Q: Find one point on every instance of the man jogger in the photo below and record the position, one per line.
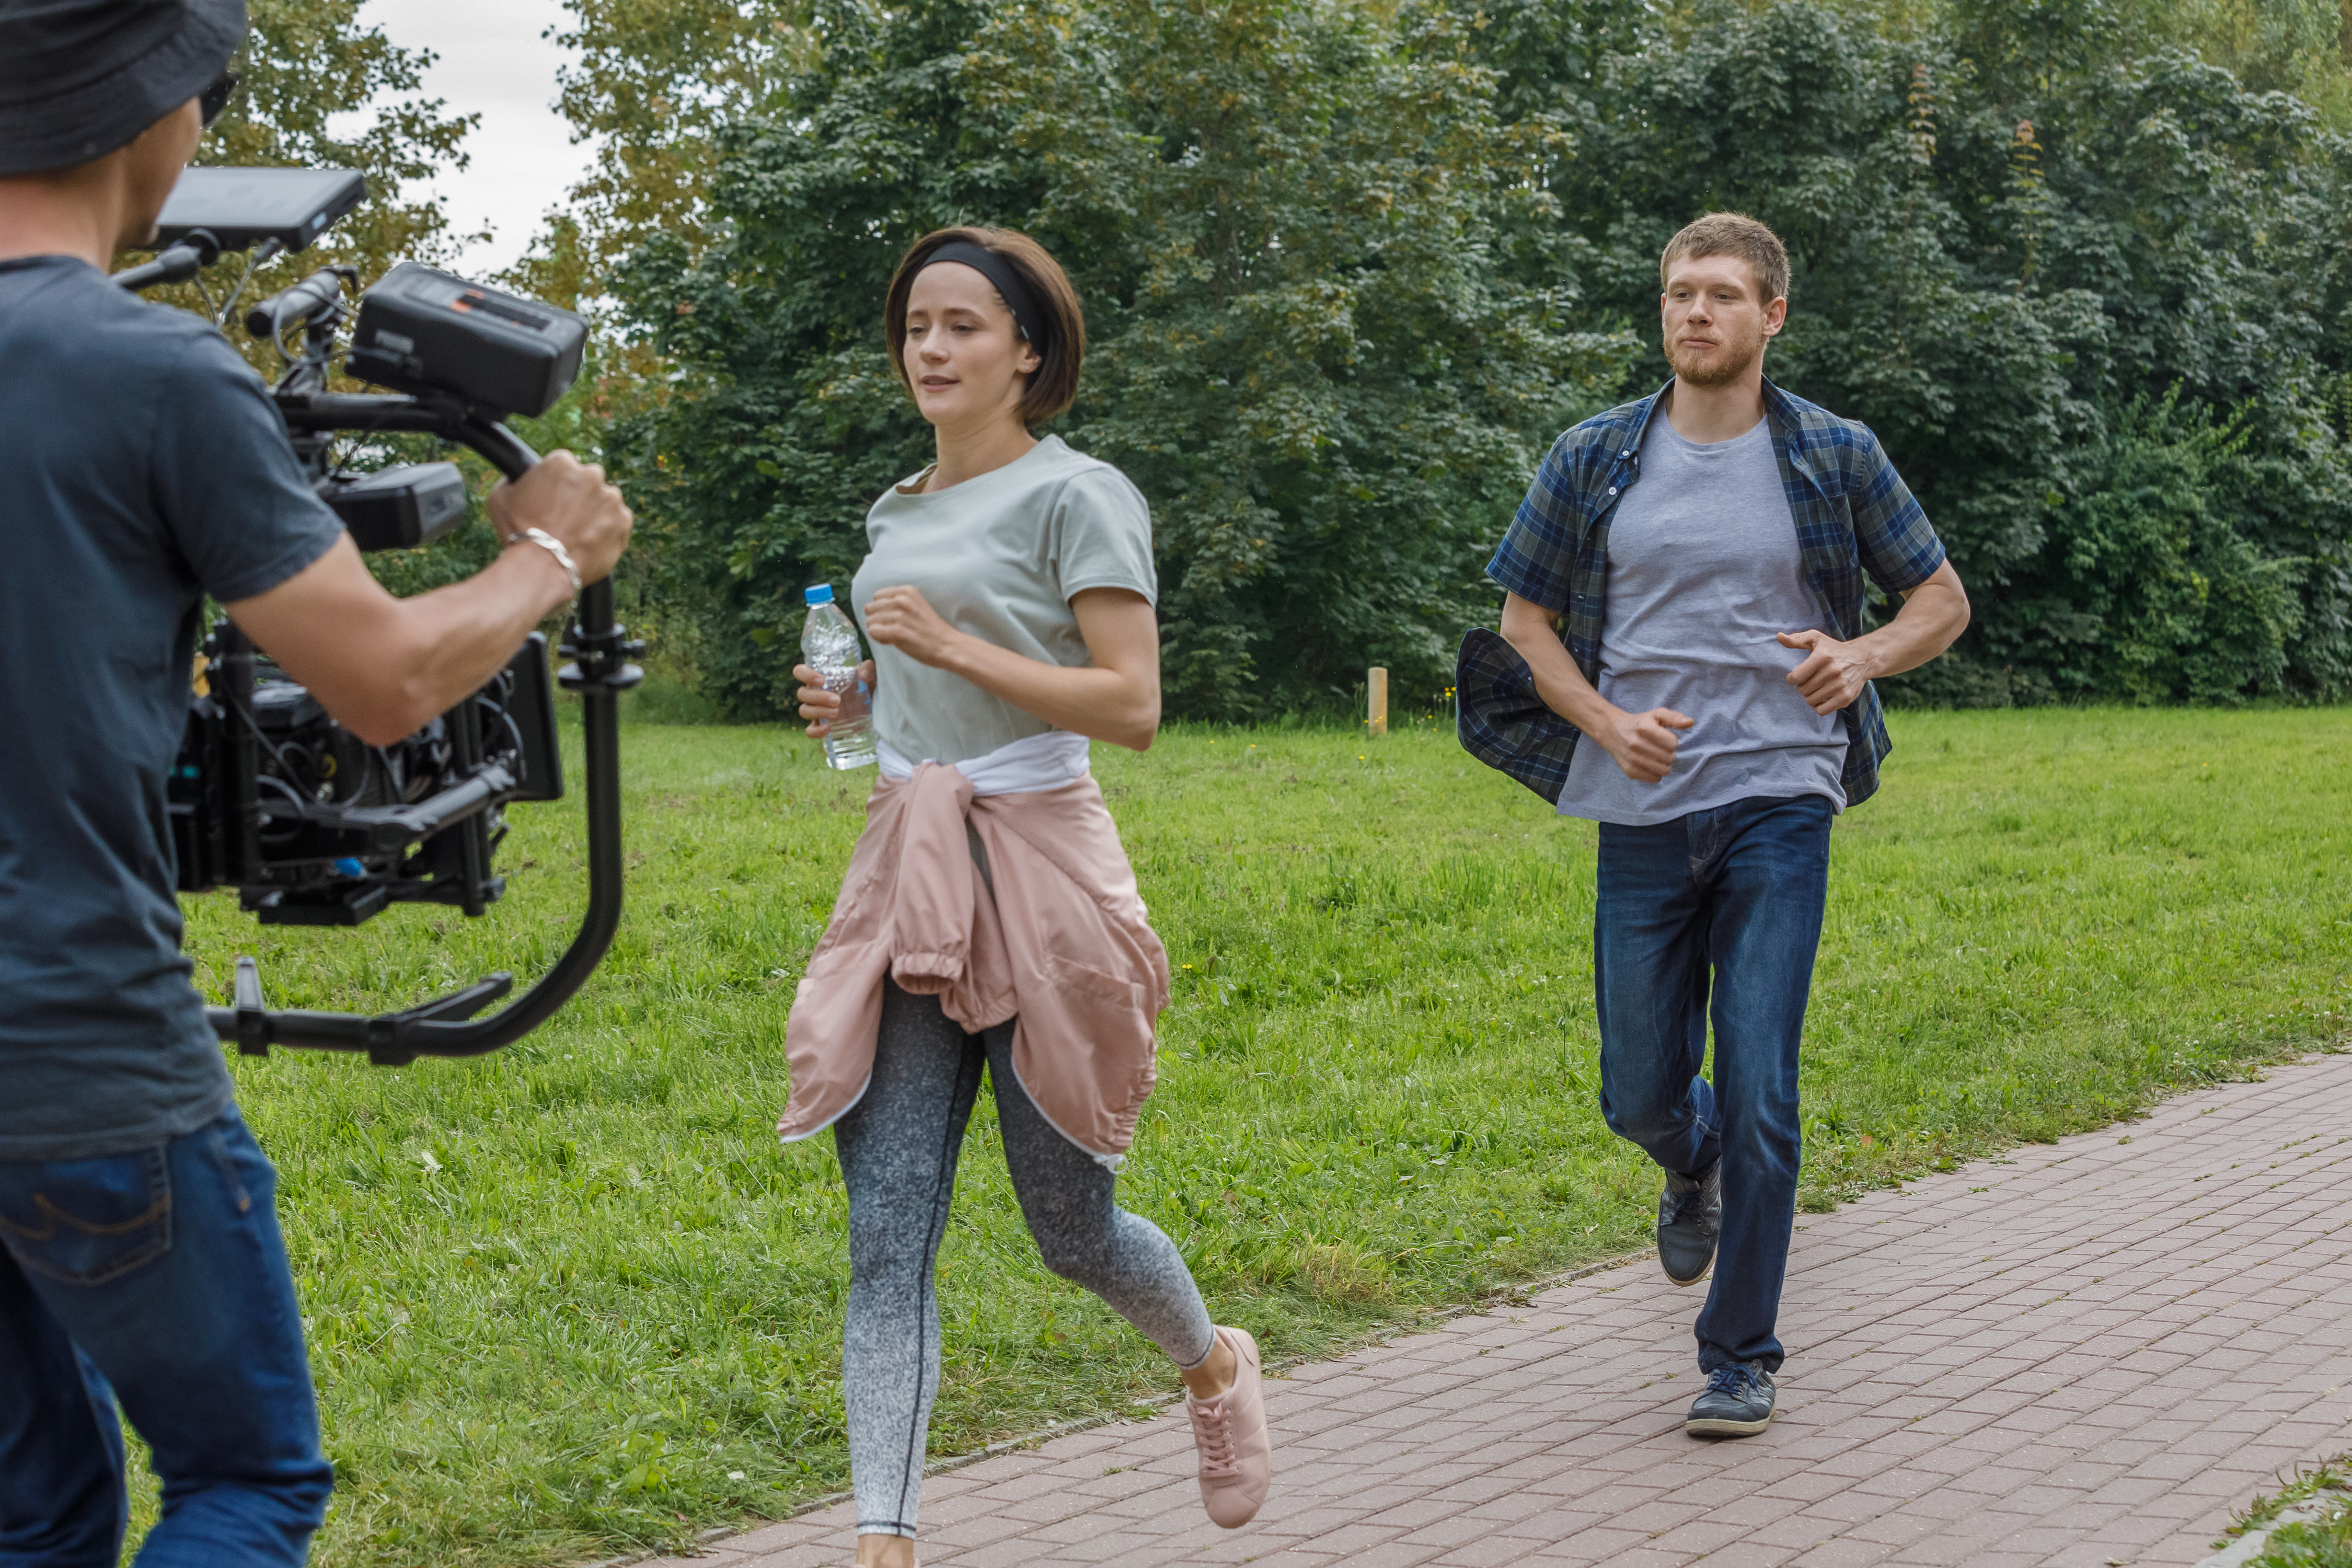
(1685, 586)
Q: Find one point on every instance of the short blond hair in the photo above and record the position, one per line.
(1733, 234)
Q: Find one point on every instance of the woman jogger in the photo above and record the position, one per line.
(989, 918)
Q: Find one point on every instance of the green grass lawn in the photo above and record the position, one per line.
(573, 1298)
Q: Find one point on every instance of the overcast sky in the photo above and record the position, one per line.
(494, 61)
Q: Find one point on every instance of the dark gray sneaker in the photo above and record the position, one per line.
(1690, 1216)
(1736, 1402)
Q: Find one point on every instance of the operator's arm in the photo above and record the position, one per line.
(1642, 743)
(1115, 699)
(384, 666)
(1933, 616)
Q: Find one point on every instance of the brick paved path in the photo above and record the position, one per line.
(2084, 1355)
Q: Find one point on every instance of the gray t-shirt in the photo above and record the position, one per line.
(999, 556)
(1704, 569)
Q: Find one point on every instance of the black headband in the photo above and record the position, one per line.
(1010, 286)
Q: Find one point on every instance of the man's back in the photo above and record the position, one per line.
(145, 468)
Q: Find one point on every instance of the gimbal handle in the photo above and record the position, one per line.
(600, 672)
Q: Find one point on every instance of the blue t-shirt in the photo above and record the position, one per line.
(144, 468)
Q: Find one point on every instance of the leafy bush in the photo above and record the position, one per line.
(2147, 586)
(2032, 258)
(1349, 269)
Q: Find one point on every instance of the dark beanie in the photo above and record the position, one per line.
(80, 77)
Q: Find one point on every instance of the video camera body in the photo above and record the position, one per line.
(313, 826)
(270, 795)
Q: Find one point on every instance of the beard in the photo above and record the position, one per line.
(1728, 366)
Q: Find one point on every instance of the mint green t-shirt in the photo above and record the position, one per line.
(999, 556)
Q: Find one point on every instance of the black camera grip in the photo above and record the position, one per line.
(600, 672)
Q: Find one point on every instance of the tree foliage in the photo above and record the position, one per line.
(655, 84)
(1347, 268)
(1284, 226)
(320, 89)
(2010, 236)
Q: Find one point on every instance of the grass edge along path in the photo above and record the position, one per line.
(572, 1301)
(2321, 1538)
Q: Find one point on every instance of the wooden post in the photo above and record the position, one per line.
(1376, 716)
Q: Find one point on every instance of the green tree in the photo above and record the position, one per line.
(1347, 268)
(1283, 215)
(2145, 588)
(2007, 230)
(2298, 47)
(303, 66)
(654, 86)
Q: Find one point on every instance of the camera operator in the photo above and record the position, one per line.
(145, 467)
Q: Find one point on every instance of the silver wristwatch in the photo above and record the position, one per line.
(554, 546)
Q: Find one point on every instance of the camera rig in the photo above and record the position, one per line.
(270, 795)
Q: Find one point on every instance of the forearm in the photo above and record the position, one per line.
(384, 666)
(1527, 627)
(460, 636)
(1932, 617)
(1102, 704)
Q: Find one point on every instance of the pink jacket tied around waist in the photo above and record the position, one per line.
(1063, 945)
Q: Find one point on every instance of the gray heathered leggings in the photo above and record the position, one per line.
(897, 1148)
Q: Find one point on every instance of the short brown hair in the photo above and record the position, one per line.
(1055, 381)
(1733, 234)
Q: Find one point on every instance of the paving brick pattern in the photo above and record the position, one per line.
(2085, 1354)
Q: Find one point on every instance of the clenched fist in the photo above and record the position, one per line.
(570, 500)
(1644, 743)
(1833, 673)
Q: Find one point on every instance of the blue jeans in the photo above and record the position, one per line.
(1721, 907)
(158, 1278)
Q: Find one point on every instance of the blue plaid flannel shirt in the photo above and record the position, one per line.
(1855, 518)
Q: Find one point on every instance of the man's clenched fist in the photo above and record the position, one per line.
(570, 500)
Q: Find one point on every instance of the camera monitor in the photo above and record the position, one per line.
(242, 207)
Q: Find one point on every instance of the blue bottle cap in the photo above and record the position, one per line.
(350, 867)
(820, 594)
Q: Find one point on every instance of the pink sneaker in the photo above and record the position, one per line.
(1236, 1454)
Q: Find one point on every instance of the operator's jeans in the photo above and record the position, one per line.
(156, 1277)
(1736, 891)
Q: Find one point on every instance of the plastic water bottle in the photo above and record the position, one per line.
(829, 645)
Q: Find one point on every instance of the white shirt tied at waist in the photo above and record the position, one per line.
(1048, 761)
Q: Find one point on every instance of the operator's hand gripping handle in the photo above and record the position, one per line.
(599, 671)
